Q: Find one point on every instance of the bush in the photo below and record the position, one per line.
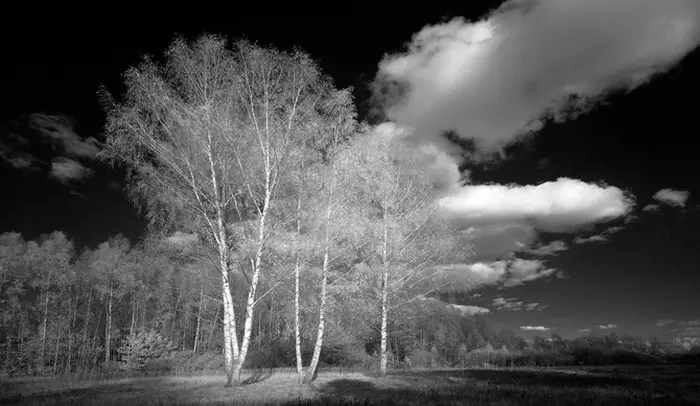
(631, 357)
(185, 362)
(588, 356)
(144, 346)
(156, 367)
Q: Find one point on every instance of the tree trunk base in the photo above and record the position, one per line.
(310, 377)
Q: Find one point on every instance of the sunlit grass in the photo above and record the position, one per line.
(626, 385)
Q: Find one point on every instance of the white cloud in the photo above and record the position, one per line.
(493, 80)
(651, 207)
(671, 197)
(526, 270)
(593, 238)
(469, 310)
(613, 230)
(24, 161)
(497, 242)
(692, 331)
(535, 328)
(65, 170)
(59, 128)
(607, 326)
(584, 330)
(464, 310)
(551, 248)
(561, 205)
(508, 273)
(476, 295)
(663, 322)
(513, 304)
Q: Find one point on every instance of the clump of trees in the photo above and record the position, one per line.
(255, 151)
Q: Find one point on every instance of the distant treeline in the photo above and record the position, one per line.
(132, 305)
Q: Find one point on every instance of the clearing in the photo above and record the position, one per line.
(619, 385)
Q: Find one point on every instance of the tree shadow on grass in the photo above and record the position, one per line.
(258, 375)
(74, 395)
(521, 387)
(130, 392)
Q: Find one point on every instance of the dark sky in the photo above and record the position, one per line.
(641, 142)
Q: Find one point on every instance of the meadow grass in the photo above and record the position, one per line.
(619, 385)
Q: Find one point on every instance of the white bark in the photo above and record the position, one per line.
(199, 318)
(385, 287)
(311, 372)
(252, 290)
(108, 327)
(297, 326)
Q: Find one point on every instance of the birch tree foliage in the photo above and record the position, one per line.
(391, 205)
(205, 138)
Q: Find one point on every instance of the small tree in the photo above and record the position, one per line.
(144, 346)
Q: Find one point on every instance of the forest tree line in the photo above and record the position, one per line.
(57, 305)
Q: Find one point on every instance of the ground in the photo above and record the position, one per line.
(619, 385)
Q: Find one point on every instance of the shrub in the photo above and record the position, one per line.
(144, 346)
(185, 362)
(157, 367)
(631, 357)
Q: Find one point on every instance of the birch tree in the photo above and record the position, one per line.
(338, 121)
(204, 138)
(391, 204)
(49, 259)
(113, 273)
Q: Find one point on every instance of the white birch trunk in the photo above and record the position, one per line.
(297, 326)
(385, 311)
(44, 326)
(385, 287)
(108, 327)
(199, 318)
(311, 372)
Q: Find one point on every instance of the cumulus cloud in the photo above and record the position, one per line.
(554, 206)
(663, 322)
(651, 207)
(613, 230)
(535, 328)
(552, 248)
(672, 197)
(507, 273)
(497, 242)
(59, 129)
(526, 270)
(65, 170)
(491, 81)
(593, 238)
(584, 330)
(469, 310)
(602, 237)
(607, 326)
(476, 295)
(23, 161)
(513, 304)
(464, 310)
(691, 331)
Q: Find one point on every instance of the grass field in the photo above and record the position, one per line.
(616, 385)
